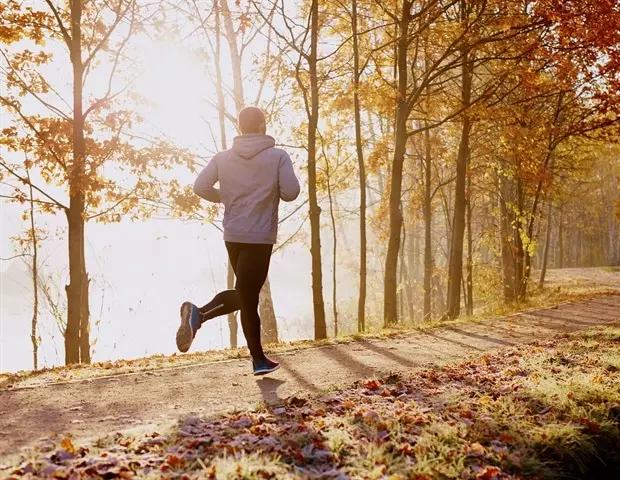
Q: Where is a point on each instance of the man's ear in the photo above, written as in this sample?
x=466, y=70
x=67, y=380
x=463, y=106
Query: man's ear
x=264, y=128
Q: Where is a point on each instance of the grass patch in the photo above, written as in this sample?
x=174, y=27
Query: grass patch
x=545, y=411
x=611, y=269
x=539, y=299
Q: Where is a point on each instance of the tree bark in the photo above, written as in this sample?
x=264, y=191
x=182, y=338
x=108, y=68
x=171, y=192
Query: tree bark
x=35, y=282
x=233, y=327
x=235, y=57
x=520, y=256
x=269, y=322
x=543, y=267
x=455, y=266
x=76, y=348
x=561, y=238
x=361, y=304
x=428, y=252
x=506, y=227
x=405, y=280
x=469, y=298
x=320, y=326
x=390, y=304
x=334, y=249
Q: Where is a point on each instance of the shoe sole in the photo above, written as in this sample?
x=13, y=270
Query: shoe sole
x=266, y=372
x=184, y=333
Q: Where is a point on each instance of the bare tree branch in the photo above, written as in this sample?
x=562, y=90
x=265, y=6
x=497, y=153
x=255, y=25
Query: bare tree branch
x=29, y=89
x=65, y=33
x=25, y=181
x=119, y=17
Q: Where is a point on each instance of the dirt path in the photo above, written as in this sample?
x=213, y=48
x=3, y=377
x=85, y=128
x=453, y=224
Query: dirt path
x=92, y=408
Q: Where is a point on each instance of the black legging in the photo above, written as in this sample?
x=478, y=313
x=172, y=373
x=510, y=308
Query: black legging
x=250, y=263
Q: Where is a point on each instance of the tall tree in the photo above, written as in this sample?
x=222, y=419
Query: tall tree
x=361, y=306
x=455, y=263
x=233, y=327
x=295, y=38
x=65, y=148
x=403, y=108
x=320, y=326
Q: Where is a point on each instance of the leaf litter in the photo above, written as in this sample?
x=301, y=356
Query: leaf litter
x=522, y=412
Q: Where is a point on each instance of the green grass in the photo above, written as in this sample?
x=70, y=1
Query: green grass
x=550, y=410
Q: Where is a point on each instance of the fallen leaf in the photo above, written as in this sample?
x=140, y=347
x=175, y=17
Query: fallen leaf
x=476, y=449
x=61, y=473
x=243, y=422
x=371, y=417
x=175, y=461
x=67, y=445
x=488, y=473
x=372, y=385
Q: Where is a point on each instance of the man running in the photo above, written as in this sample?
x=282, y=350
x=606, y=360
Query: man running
x=253, y=177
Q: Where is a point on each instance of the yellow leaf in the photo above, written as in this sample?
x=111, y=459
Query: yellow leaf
x=67, y=445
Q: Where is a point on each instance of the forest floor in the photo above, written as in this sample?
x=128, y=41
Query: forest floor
x=344, y=410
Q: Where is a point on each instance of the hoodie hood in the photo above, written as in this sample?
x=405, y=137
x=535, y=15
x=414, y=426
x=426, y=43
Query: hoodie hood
x=248, y=146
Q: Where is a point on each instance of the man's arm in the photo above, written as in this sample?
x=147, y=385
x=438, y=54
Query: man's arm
x=204, y=184
x=287, y=181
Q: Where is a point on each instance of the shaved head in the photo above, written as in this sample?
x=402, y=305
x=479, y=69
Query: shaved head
x=252, y=121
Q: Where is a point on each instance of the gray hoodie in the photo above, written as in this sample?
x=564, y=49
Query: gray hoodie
x=254, y=176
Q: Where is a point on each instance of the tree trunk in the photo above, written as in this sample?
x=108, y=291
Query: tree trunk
x=520, y=280
x=439, y=297
x=361, y=304
x=268, y=320
x=390, y=304
x=543, y=268
x=84, y=323
x=334, y=249
x=35, y=283
x=506, y=227
x=428, y=252
x=235, y=57
x=405, y=281
x=413, y=255
x=233, y=327
x=77, y=290
x=469, y=297
x=561, y=238
x=320, y=326
x=455, y=265
x=401, y=281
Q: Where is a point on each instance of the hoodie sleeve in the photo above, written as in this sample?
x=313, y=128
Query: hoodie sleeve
x=287, y=181
x=204, y=184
